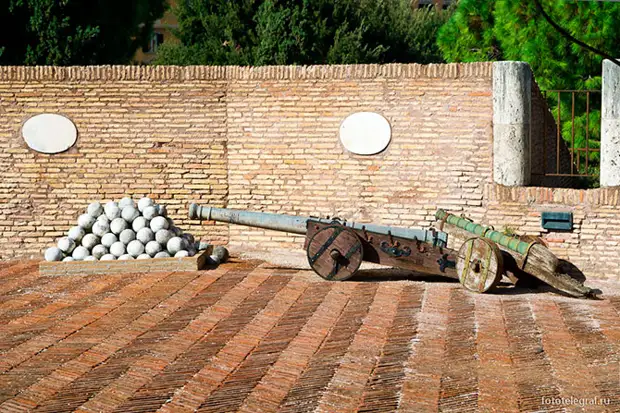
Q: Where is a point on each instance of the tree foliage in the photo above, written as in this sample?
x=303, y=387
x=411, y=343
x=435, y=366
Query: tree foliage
x=513, y=30
x=253, y=32
x=71, y=32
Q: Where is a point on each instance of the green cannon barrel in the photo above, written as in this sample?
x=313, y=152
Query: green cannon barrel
x=500, y=238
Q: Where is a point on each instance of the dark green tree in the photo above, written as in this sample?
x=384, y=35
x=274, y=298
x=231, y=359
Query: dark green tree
x=514, y=30
x=264, y=32
x=75, y=32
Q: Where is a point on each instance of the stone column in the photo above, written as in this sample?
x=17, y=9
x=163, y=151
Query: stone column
x=512, y=96
x=610, y=125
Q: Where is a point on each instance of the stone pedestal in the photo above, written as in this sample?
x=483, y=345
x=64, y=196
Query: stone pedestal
x=610, y=125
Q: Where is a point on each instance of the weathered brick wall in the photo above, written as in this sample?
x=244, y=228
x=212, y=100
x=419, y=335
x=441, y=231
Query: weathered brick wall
x=267, y=139
x=159, y=132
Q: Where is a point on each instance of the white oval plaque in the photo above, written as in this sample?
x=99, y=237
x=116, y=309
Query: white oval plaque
x=49, y=133
x=365, y=133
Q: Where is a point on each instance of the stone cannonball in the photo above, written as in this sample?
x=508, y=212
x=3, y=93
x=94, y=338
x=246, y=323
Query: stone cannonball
x=181, y=254
x=189, y=238
x=107, y=257
x=125, y=257
x=144, y=256
x=125, y=202
x=79, y=253
x=176, y=231
x=221, y=253
x=103, y=218
x=135, y=248
x=66, y=245
x=99, y=251
x=68, y=259
x=149, y=212
x=94, y=209
x=118, y=225
x=202, y=245
x=86, y=222
x=129, y=213
x=162, y=211
x=140, y=223
x=89, y=258
x=162, y=254
x=174, y=245
x=127, y=236
x=144, y=202
x=163, y=236
x=112, y=210
x=159, y=223
x=191, y=251
x=100, y=228
x=117, y=249
x=53, y=254
x=108, y=239
x=90, y=240
x=76, y=233
x=145, y=235
x=152, y=248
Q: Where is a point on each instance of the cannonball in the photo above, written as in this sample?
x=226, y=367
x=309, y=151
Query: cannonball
x=189, y=238
x=159, y=223
x=127, y=236
x=221, y=253
x=143, y=257
x=79, y=253
x=144, y=202
x=86, y=221
x=117, y=249
x=181, y=254
x=108, y=239
x=107, y=257
x=191, y=251
x=99, y=251
x=125, y=257
x=162, y=211
x=202, y=245
x=129, y=213
x=149, y=212
x=89, y=258
x=145, y=235
x=135, y=248
x=213, y=260
x=152, y=248
x=118, y=225
x=125, y=202
x=140, y=223
x=53, y=254
x=112, y=210
x=162, y=254
x=95, y=209
x=76, y=233
x=174, y=245
x=163, y=236
x=66, y=245
x=100, y=228
x=176, y=231
x=90, y=240
x=103, y=218
x=68, y=259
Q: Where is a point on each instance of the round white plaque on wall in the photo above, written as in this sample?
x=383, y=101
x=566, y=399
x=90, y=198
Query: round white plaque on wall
x=49, y=133
x=365, y=133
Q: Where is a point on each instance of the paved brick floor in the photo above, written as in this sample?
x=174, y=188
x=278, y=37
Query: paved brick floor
x=253, y=338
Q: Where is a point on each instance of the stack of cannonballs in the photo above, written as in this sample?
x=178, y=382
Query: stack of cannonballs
x=125, y=230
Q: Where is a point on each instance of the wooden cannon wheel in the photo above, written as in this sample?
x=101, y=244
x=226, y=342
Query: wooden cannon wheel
x=479, y=264
x=335, y=253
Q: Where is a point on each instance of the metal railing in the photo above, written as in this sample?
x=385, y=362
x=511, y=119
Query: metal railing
x=567, y=150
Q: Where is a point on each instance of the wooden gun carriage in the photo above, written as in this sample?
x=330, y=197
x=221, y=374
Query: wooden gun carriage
x=335, y=248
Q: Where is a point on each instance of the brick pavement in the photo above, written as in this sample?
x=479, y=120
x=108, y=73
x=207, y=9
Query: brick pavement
x=255, y=338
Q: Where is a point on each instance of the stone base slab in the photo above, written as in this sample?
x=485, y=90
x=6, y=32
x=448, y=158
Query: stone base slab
x=195, y=263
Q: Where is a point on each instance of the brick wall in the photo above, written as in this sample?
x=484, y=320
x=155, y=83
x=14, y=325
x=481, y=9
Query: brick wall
x=266, y=139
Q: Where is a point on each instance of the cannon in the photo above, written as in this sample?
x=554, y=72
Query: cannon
x=335, y=248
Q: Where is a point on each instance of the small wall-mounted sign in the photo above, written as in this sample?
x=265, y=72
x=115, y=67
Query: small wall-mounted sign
x=557, y=221
x=49, y=133
x=365, y=133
